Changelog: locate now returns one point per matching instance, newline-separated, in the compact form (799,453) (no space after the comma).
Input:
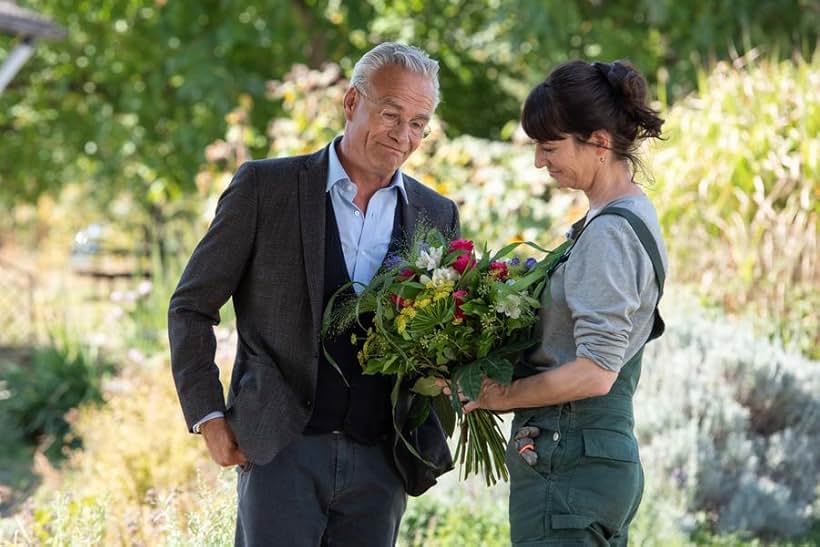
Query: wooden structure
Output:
(28,26)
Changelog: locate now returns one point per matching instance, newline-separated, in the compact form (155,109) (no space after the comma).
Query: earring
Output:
(601,159)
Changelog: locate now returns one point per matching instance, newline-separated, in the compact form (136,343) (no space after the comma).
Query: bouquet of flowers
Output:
(439,315)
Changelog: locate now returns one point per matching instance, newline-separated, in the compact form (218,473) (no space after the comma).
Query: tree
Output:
(129,101)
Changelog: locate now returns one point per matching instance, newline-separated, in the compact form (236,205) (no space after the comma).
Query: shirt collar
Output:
(336,173)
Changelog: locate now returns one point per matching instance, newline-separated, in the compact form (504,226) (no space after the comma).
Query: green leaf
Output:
(532,277)
(419,411)
(497,368)
(445,412)
(427,386)
(475,308)
(469,378)
(379,365)
(506,250)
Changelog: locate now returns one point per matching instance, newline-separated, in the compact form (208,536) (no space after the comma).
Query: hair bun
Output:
(625,81)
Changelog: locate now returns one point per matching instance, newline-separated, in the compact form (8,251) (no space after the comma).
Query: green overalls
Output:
(588,481)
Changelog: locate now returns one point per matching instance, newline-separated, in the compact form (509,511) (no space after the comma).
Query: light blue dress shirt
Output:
(365,238)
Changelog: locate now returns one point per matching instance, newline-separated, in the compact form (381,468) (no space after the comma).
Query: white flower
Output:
(510,305)
(443,275)
(429,259)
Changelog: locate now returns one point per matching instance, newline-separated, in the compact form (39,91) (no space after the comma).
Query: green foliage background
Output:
(131,97)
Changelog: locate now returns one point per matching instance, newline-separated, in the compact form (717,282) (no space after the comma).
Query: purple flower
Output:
(530,263)
(391,261)
(515,261)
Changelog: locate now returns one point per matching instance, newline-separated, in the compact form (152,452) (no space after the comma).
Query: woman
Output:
(580,481)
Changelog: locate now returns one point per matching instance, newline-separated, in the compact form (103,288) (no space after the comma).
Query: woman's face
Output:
(570,163)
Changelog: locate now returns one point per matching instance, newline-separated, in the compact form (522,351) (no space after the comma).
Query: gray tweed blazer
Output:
(265,248)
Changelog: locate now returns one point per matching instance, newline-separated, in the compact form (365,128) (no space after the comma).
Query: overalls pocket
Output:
(609,480)
(529,494)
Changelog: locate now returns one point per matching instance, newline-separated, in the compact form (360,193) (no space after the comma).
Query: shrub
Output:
(42,390)
(431,521)
(139,469)
(728,427)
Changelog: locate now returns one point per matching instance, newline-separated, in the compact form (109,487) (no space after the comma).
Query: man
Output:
(315,451)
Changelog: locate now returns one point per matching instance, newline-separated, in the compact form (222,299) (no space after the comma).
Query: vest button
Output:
(308,402)
(556,436)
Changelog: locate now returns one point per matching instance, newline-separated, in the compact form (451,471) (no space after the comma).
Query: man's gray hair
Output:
(390,53)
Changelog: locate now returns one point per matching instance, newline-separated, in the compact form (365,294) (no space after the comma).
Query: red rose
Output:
(499,270)
(463,263)
(406,274)
(462,244)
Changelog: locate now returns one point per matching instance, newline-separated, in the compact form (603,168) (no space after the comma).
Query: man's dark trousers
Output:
(324,490)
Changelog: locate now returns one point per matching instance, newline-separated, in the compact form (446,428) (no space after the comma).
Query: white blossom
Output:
(429,259)
(443,275)
(510,305)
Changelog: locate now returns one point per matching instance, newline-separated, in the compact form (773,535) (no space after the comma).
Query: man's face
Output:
(386,121)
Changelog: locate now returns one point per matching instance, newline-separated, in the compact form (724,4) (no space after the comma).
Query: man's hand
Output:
(222,443)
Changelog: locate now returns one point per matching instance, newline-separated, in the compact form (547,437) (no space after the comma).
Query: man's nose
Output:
(401,131)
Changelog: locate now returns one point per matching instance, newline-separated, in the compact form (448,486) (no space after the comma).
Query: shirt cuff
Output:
(210,416)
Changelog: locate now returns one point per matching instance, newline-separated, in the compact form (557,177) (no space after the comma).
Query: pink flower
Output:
(499,270)
(459,297)
(406,274)
(462,244)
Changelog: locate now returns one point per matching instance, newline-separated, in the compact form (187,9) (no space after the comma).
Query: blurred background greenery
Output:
(118,139)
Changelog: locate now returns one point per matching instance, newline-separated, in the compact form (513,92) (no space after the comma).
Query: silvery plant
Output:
(729,426)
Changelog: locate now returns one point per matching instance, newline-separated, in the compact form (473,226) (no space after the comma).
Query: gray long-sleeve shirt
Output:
(603,297)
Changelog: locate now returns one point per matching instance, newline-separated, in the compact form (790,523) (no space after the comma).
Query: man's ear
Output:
(351,99)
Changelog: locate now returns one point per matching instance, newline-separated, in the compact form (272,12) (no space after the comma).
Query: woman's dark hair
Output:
(578,98)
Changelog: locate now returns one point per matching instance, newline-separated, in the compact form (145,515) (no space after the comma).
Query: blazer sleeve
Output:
(208,281)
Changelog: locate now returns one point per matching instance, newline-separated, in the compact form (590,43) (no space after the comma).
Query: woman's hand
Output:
(493,396)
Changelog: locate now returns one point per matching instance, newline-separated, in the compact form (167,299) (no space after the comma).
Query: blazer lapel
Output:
(411,210)
(312,185)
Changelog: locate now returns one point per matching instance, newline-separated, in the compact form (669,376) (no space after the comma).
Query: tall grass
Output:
(737,188)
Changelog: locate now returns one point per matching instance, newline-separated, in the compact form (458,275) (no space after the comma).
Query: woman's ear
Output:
(601,139)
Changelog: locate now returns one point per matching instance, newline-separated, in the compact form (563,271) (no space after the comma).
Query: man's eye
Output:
(391,116)
(418,126)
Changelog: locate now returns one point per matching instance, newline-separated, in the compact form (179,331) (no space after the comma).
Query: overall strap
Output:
(651,247)
(646,239)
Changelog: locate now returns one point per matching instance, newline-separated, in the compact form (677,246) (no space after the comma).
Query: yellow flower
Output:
(401,323)
(422,303)
(443,292)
